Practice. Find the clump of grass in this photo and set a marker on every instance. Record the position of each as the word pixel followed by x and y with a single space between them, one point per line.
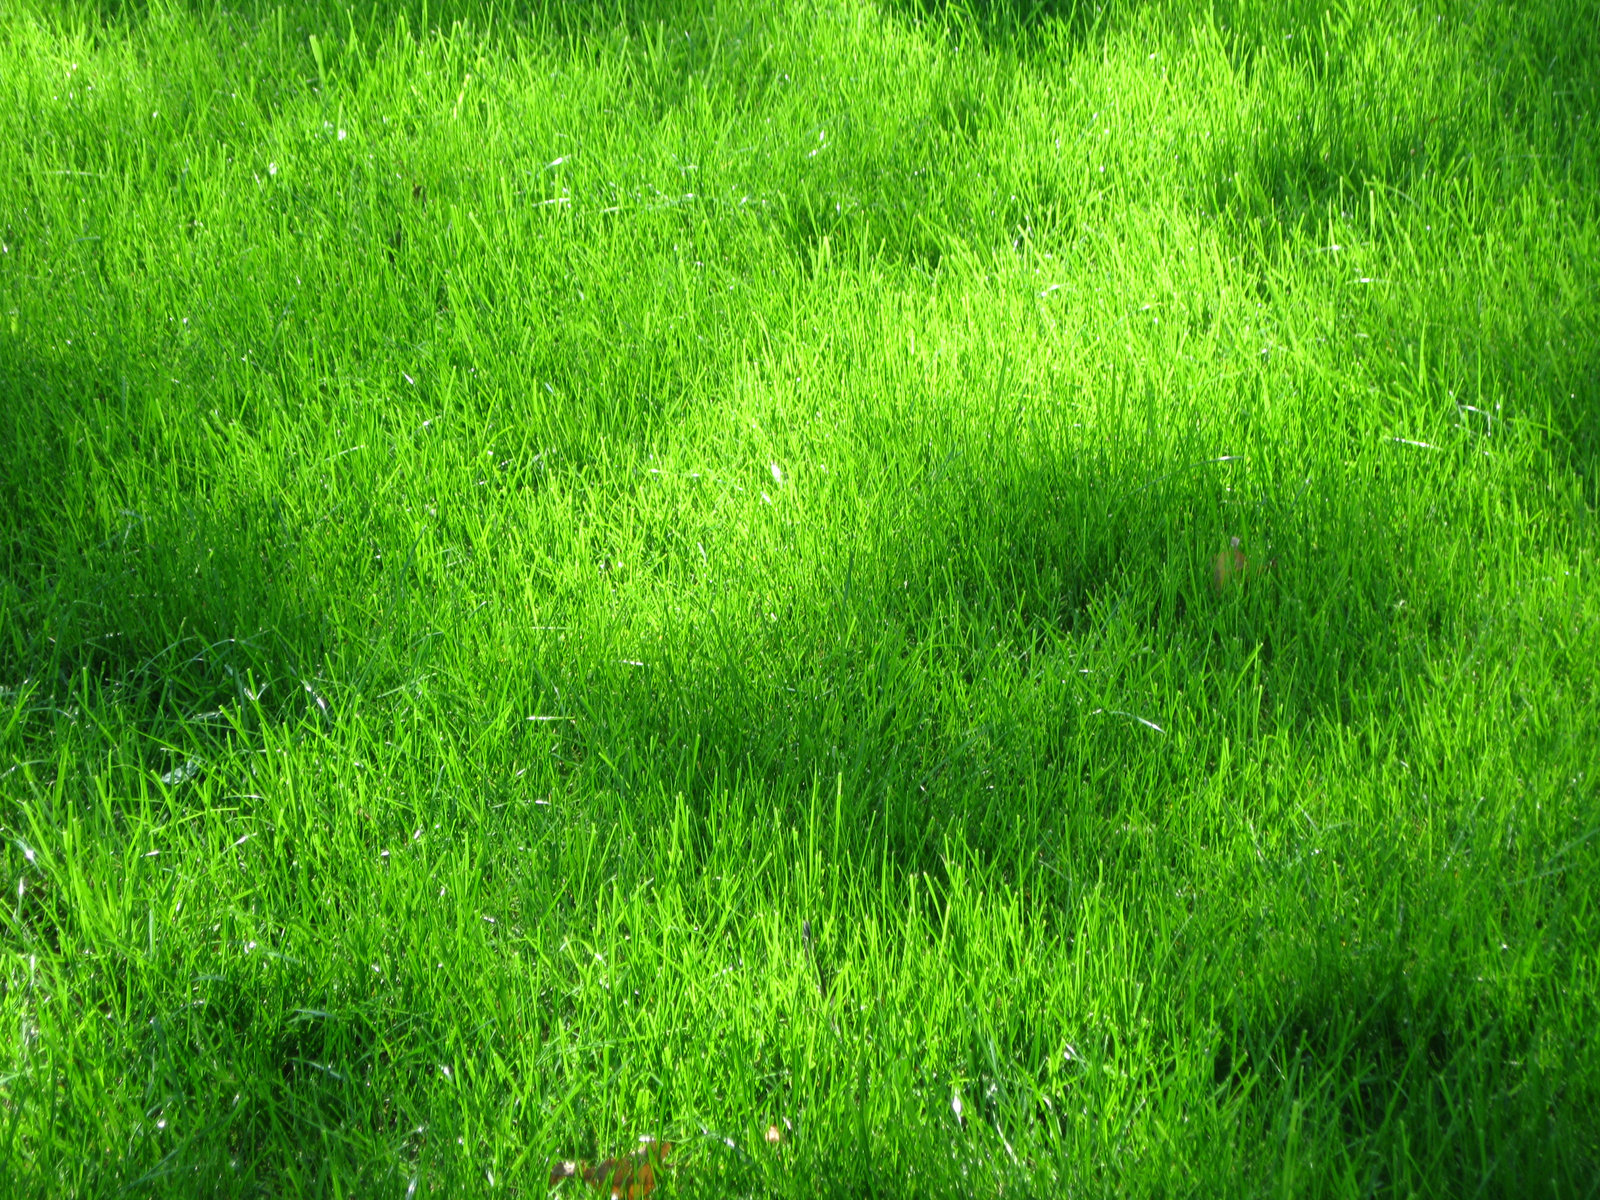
pixel 654 570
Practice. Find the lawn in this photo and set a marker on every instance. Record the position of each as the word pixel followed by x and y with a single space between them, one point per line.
pixel 913 597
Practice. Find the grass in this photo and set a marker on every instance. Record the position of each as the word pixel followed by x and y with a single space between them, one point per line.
pixel 652 568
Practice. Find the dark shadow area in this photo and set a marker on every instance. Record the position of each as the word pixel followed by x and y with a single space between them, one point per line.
pixel 1046 30
pixel 1013 23
pixel 246 1069
pixel 901 221
pixel 1299 164
pixel 1557 360
pixel 1379 1075
pixel 337 24
pixel 171 612
pixel 422 15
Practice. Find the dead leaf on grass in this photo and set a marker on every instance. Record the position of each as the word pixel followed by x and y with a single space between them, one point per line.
pixel 1231 567
pixel 626 1177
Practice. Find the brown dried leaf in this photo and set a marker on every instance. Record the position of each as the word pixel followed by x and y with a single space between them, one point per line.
pixel 626 1177
pixel 1231 567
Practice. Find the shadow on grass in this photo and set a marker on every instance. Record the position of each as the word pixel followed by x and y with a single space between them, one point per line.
pixel 1378 1071
pixel 336 22
pixel 181 606
pixel 1012 24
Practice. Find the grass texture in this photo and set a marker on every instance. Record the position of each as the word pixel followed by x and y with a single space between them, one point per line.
pixel 618 569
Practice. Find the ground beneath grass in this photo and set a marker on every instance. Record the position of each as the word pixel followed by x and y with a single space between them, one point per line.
pixel 913 598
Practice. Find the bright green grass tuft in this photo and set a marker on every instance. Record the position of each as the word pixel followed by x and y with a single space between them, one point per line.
pixel 510 520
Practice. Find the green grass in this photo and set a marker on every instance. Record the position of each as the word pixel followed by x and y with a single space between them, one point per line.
pixel 650 568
